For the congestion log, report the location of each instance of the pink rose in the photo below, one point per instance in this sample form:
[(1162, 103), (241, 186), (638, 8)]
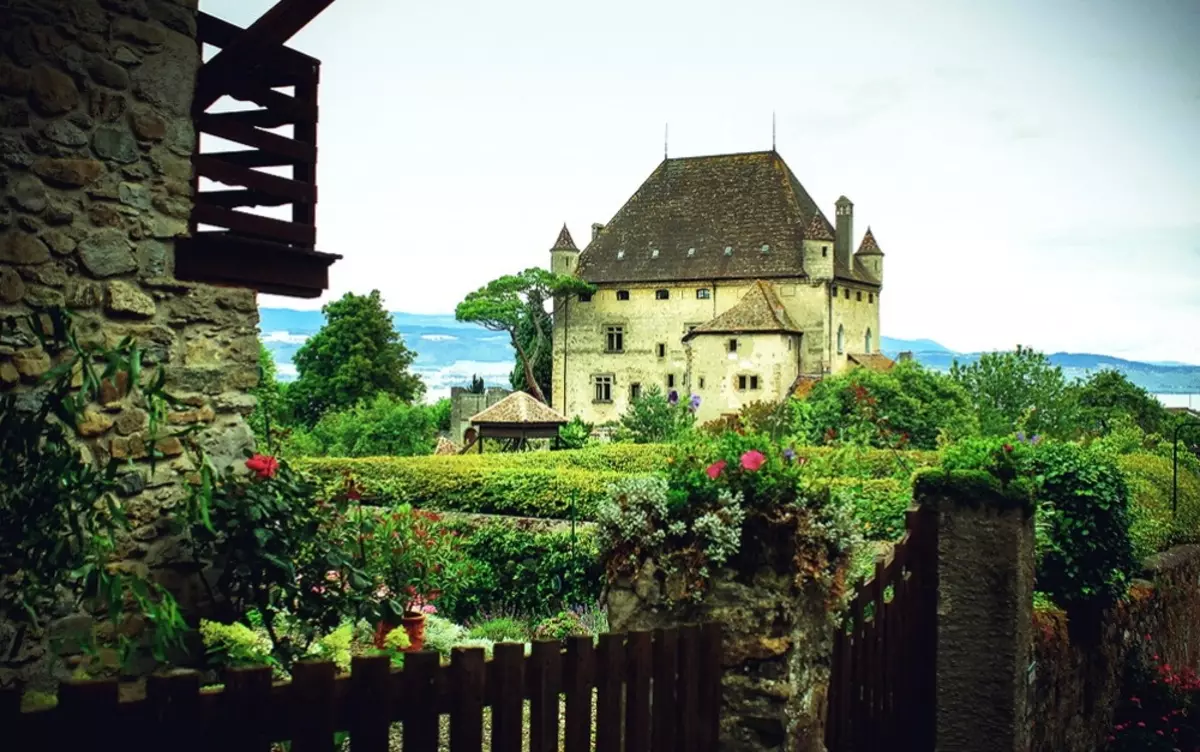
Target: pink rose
[(715, 469), (753, 460)]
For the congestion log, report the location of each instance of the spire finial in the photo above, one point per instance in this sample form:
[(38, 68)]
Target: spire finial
[(772, 130), (666, 136)]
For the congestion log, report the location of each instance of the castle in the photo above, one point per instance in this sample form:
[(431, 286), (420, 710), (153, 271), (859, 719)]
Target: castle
[(720, 277)]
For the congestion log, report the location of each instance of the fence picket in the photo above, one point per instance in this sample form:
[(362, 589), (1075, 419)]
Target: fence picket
[(370, 693), (507, 694), (610, 666), (246, 704), (420, 704), (710, 686), (688, 697), (578, 678), (84, 706), (469, 682), (640, 664), (664, 731), (545, 674), (173, 703)]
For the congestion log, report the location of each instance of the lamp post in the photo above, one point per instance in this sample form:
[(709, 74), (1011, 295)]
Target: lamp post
[(1175, 461)]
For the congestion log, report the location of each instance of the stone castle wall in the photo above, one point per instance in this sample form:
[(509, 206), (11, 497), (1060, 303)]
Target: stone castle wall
[(772, 358), (96, 140)]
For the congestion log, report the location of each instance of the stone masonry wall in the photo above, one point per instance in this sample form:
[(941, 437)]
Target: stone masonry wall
[(1077, 687), (96, 140)]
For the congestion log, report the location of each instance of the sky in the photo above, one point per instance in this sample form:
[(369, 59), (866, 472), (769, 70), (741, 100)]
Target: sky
[(1030, 168)]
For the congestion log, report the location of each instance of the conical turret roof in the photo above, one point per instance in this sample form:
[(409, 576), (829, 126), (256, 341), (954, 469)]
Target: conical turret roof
[(565, 242)]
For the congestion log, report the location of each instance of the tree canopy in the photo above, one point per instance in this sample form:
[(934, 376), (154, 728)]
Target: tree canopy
[(356, 355), (1018, 390), (1107, 395), (510, 303)]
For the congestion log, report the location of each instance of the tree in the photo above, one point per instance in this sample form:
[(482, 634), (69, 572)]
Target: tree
[(270, 412), (504, 305), (357, 354), (653, 418), (536, 320), (1107, 395), (477, 386), (1018, 390), (383, 426)]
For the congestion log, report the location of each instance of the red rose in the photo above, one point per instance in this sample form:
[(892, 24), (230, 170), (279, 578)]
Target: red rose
[(263, 465), (1008, 447)]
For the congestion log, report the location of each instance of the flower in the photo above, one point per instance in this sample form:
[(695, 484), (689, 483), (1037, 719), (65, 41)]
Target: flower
[(789, 454), (1008, 447), (694, 403), (1036, 438), (715, 469), (1020, 436), (673, 398), (753, 460), (263, 465)]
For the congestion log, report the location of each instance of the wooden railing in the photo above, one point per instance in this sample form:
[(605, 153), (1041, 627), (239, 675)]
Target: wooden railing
[(653, 691), (881, 693), (268, 253)]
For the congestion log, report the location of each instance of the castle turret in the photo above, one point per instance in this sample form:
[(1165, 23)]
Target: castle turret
[(871, 256), (564, 256), (818, 248), (845, 233)]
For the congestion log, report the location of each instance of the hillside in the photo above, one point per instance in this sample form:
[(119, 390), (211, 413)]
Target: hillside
[(450, 352)]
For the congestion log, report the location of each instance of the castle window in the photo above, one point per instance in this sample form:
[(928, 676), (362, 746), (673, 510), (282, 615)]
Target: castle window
[(868, 341), (871, 297), (703, 293), (670, 381), (662, 294), (662, 349), (747, 382), (585, 297), (622, 295), (603, 385), (833, 290), (846, 293), (635, 392), (841, 339), (733, 345), (824, 251), (614, 339), (701, 382), (859, 294)]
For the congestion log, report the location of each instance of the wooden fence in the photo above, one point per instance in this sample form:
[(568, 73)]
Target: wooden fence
[(655, 691), (881, 691)]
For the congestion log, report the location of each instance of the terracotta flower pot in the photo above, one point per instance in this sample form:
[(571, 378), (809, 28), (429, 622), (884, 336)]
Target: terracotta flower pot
[(414, 625), (381, 633)]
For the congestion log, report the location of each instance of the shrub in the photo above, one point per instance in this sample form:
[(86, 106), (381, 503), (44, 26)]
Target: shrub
[(1153, 527), (504, 629), (878, 505), (562, 625), (576, 434), (237, 645), (442, 635), (655, 418)]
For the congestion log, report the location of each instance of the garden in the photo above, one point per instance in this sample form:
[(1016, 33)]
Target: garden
[(326, 557)]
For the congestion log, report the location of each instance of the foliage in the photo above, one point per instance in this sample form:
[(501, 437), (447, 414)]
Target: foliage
[(281, 552), (1018, 390), (1160, 707), (1084, 551), (269, 419), (412, 559), (477, 386), (562, 625), (576, 434), (879, 505), (442, 635), (439, 412), (1153, 526), (334, 647), (533, 332), (355, 355), (395, 643), (505, 305), (655, 418), (60, 517), (504, 629), (531, 572), (1107, 396), (382, 425), (238, 645), (906, 407)]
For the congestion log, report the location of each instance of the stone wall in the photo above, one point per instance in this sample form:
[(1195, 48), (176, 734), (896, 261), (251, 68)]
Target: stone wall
[(772, 358), (1077, 688), (777, 642), (464, 404), (96, 140)]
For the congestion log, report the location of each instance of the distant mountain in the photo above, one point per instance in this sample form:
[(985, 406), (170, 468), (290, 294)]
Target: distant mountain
[(450, 352)]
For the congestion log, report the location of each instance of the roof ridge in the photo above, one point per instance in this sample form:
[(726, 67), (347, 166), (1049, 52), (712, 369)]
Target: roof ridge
[(518, 407)]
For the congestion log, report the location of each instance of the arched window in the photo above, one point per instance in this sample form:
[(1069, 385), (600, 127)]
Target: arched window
[(868, 343), (841, 339)]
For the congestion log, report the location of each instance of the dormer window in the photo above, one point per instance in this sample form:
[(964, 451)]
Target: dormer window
[(728, 250), (622, 295), (662, 294), (654, 253), (620, 255), (766, 248), (691, 252)]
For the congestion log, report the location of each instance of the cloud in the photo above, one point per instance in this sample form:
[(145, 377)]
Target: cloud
[(439, 337), (285, 337)]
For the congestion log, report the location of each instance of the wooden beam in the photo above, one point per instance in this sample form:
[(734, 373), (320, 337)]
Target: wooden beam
[(288, 189), (222, 258), (272, 29), (251, 158), (256, 226), (220, 33), (306, 132), (294, 150), (241, 197)]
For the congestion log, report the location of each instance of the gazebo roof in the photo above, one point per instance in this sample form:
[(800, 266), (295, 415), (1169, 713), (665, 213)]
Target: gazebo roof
[(446, 446), (518, 409)]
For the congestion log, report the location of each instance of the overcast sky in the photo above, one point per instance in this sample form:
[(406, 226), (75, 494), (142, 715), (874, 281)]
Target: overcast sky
[(1031, 168)]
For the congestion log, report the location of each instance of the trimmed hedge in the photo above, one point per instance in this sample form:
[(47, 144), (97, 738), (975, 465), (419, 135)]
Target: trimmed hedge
[(879, 505), (1152, 528)]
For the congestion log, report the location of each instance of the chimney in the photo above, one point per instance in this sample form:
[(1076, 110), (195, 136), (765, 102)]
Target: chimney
[(844, 235), (596, 228)]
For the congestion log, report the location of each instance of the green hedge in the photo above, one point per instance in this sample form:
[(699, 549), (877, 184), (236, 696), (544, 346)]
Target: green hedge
[(879, 505), (1152, 526)]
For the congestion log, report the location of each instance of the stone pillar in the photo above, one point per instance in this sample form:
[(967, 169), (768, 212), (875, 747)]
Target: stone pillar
[(96, 141), (777, 641), (984, 612)]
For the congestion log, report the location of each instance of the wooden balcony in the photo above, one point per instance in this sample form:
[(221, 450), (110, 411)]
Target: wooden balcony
[(269, 254)]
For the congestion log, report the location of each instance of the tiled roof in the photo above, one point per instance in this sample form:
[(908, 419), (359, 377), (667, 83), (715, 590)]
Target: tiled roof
[(869, 247), (873, 361), (518, 408), (446, 446), (565, 242), (735, 216), (805, 385), (759, 310), (818, 228)]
